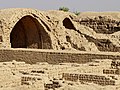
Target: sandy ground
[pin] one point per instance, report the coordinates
(11, 74)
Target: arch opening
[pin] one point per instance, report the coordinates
(68, 24)
(29, 33)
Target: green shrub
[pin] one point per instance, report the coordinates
(76, 13)
(65, 9)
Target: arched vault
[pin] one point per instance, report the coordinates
(25, 28)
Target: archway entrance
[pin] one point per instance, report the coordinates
(68, 24)
(29, 33)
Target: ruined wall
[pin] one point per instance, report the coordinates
(57, 25)
(101, 24)
(103, 30)
(97, 79)
(58, 30)
(55, 57)
(50, 29)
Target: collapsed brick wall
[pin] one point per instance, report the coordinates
(103, 44)
(102, 24)
(97, 79)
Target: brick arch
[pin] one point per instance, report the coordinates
(34, 34)
(67, 23)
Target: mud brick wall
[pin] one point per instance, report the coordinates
(53, 85)
(25, 79)
(101, 80)
(70, 77)
(101, 24)
(54, 57)
(111, 71)
(30, 80)
(103, 44)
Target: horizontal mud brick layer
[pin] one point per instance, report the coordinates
(54, 57)
(25, 79)
(97, 79)
(101, 24)
(111, 71)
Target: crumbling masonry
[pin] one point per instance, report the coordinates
(57, 30)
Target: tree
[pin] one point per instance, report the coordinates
(65, 9)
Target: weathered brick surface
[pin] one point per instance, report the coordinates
(54, 57)
(97, 79)
(101, 24)
(31, 28)
(26, 28)
(111, 71)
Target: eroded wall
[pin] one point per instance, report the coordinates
(54, 57)
(59, 30)
(103, 31)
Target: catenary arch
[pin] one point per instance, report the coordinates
(34, 35)
(29, 33)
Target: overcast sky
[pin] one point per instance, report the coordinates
(73, 5)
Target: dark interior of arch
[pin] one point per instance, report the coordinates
(68, 24)
(29, 33)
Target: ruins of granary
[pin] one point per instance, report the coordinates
(29, 35)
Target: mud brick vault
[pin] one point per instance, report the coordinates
(24, 28)
(58, 30)
(28, 28)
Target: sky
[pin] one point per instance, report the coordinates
(73, 5)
